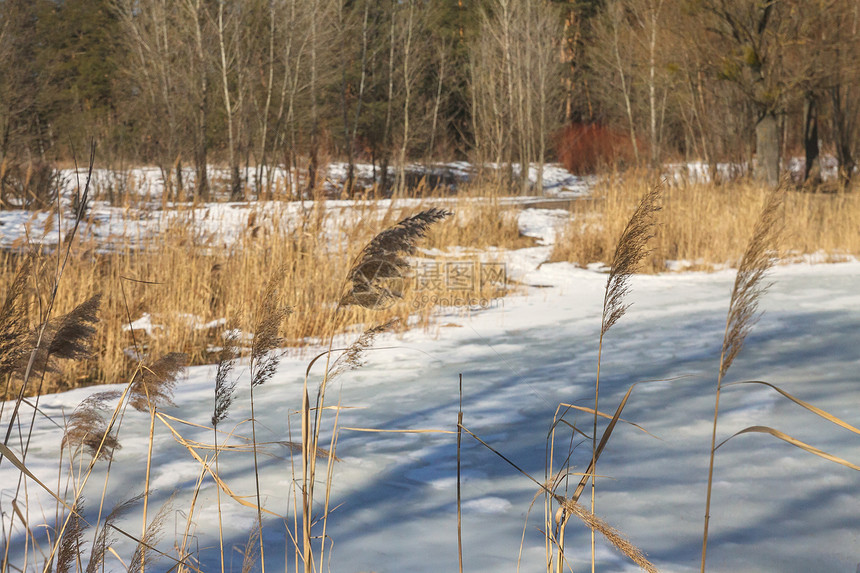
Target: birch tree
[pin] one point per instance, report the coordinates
(516, 85)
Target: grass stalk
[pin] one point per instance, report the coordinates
(459, 512)
(256, 484)
(147, 477)
(749, 286)
(183, 555)
(330, 459)
(218, 503)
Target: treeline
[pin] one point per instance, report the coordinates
(252, 84)
(279, 82)
(750, 82)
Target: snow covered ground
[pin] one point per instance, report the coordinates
(223, 221)
(148, 182)
(775, 507)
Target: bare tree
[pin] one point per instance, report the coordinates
(199, 97)
(151, 36)
(842, 85)
(228, 44)
(754, 37)
(516, 83)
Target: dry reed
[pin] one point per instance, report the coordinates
(106, 538)
(384, 260)
(145, 549)
(368, 284)
(749, 285)
(153, 385)
(615, 537)
(631, 248)
(87, 427)
(189, 281)
(706, 226)
(69, 555)
(13, 321)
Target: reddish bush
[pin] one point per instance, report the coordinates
(585, 148)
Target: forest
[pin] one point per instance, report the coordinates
(594, 84)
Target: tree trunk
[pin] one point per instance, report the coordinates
(812, 170)
(202, 183)
(314, 150)
(407, 97)
(843, 136)
(236, 180)
(767, 150)
(262, 166)
(625, 91)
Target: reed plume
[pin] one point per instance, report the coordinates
(615, 537)
(631, 249)
(151, 537)
(13, 322)
(749, 285)
(759, 257)
(154, 384)
(106, 539)
(70, 545)
(67, 337)
(270, 316)
(250, 554)
(224, 387)
(88, 430)
(383, 260)
(353, 357)
(74, 331)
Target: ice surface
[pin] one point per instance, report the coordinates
(775, 507)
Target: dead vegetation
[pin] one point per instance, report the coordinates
(705, 226)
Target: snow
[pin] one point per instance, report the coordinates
(222, 223)
(775, 507)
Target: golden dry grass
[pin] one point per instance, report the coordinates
(707, 225)
(192, 283)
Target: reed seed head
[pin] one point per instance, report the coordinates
(224, 387)
(72, 541)
(13, 322)
(270, 315)
(87, 427)
(382, 262)
(631, 249)
(106, 539)
(758, 259)
(153, 385)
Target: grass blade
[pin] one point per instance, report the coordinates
(794, 442)
(814, 409)
(603, 441)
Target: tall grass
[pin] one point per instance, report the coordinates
(188, 280)
(707, 226)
